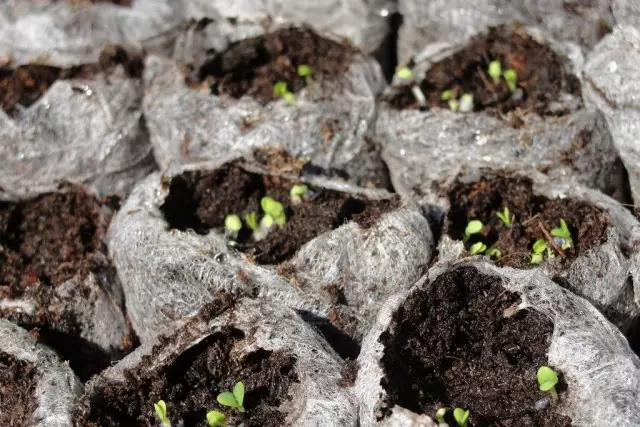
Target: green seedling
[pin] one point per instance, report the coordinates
(547, 379)
(473, 227)
(454, 105)
(495, 71)
(506, 217)
(563, 235)
(511, 77)
(494, 252)
(233, 223)
(304, 71)
(161, 412)
(440, 417)
(477, 248)
(215, 418)
(233, 399)
(404, 73)
(251, 219)
(461, 416)
(280, 90)
(537, 254)
(466, 103)
(297, 193)
(446, 95)
(274, 209)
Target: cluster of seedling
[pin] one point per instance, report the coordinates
(540, 249)
(510, 75)
(460, 415)
(281, 90)
(274, 215)
(233, 399)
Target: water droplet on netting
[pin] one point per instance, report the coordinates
(219, 257)
(542, 403)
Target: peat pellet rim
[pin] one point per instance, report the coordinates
(460, 341)
(533, 218)
(201, 201)
(253, 67)
(542, 77)
(18, 381)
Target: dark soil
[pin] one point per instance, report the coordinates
(190, 384)
(452, 345)
(541, 75)
(253, 66)
(17, 391)
(482, 199)
(43, 243)
(125, 3)
(201, 200)
(24, 85)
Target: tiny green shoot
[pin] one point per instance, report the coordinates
(473, 227)
(251, 219)
(547, 379)
(461, 416)
(454, 105)
(280, 90)
(466, 103)
(161, 412)
(215, 418)
(538, 249)
(297, 192)
(404, 73)
(511, 77)
(446, 95)
(274, 209)
(563, 234)
(440, 417)
(477, 248)
(506, 217)
(233, 223)
(494, 252)
(304, 70)
(495, 71)
(233, 399)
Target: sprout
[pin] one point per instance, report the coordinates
(547, 379)
(466, 103)
(495, 71)
(477, 248)
(511, 77)
(297, 192)
(274, 209)
(440, 417)
(461, 416)
(251, 219)
(494, 252)
(404, 73)
(538, 249)
(233, 223)
(563, 234)
(215, 418)
(473, 227)
(280, 90)
(446, 95)
(506, 217)
(233, 399)
(454, 105)
(161, 412)
(304, 70)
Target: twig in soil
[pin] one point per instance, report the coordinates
(530, 219)
(550, 240)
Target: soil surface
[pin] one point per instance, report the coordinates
(541, 72)
(253, 66)
(44, 242)
(452, 345)
(191, 382)
(200, 200)
(23, 86)
(483, 199)
(17, 391)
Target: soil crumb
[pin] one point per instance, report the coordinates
(451, 345)
(484, 199)
(200, 200)
(253, 66)
(542, 75)
(23, 86)
(18, 380)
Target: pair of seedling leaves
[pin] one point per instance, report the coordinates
(460, 415)
(233, 399)
(280, 88)
(562, 237)
(465, 103)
